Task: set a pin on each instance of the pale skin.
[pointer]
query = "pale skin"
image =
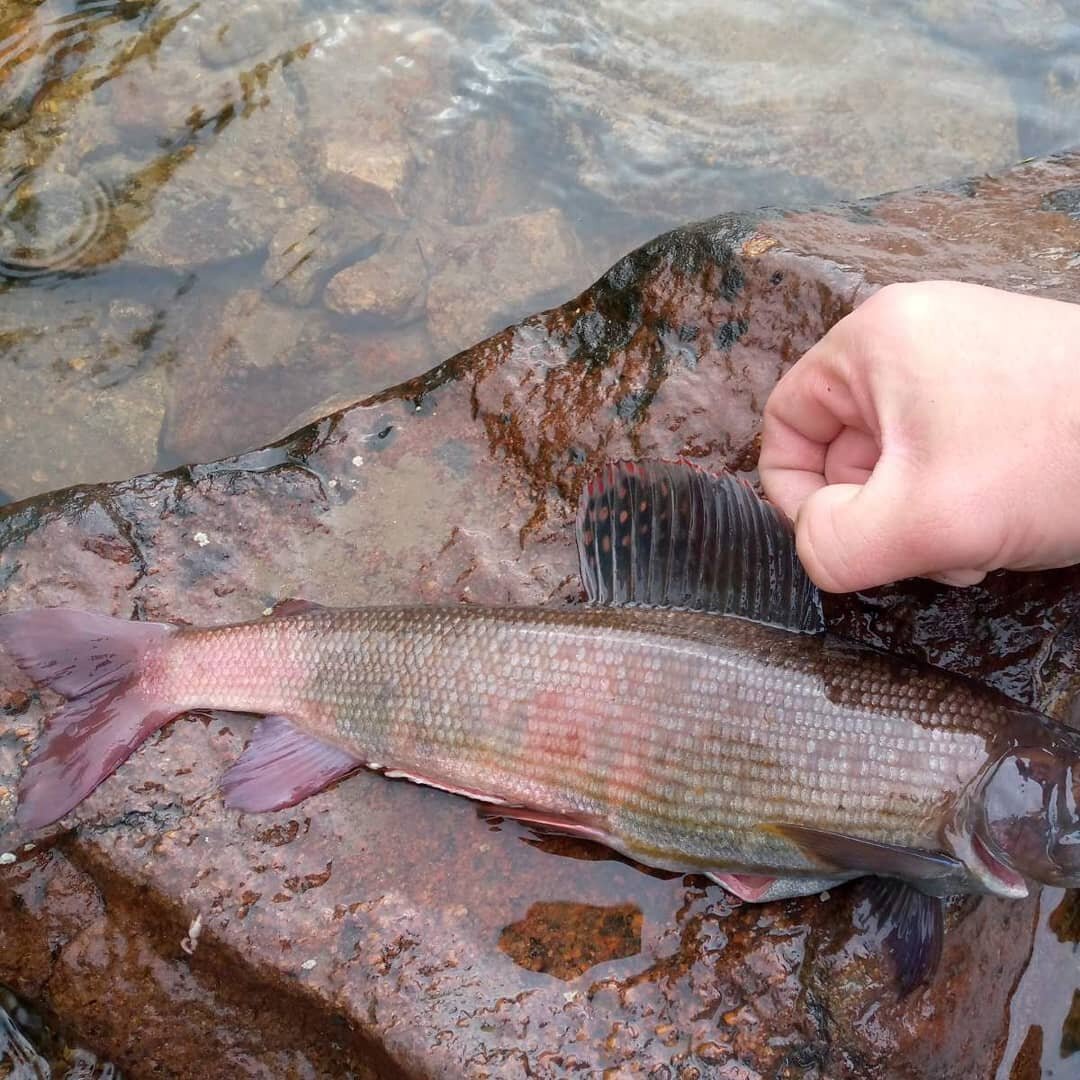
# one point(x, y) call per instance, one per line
point(933, 432)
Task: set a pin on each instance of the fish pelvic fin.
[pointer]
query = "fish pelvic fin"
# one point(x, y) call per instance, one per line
point(909, 925)
point(282, 766)
point(670, 534)
point(96, 662)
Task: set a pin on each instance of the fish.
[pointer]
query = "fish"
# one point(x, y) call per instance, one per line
point(693, 714)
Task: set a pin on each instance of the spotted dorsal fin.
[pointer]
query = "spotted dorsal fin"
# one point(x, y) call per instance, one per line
point(669, 534)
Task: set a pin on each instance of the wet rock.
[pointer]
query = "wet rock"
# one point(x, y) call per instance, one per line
point(1065, 918)
point(244, 31)
point(251, 365)
point(489, 274)
point(388, 284)
point(1028, 1062)
point(480, 171)
point(397, 71)
point(373, 177)
point(247, 339)
point(84, 369)
point(226, 183)
point(362, 928)
point(1070, 1035)
point(305, 251)
point(540, 941)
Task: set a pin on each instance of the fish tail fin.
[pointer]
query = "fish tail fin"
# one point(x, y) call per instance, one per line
point(96, 662)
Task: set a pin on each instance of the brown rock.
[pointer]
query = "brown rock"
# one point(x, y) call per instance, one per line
point(492, 274)
point(371, 176)
point(397, 68)
point(231, 196)
point(304, 251)
point(361, 929)
point(247, 366)
point(388, 284)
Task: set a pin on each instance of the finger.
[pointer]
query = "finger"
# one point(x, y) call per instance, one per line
point(958, 578)
point(808, 409)
point(791, 466)
point(853, 536)
point(851, 457)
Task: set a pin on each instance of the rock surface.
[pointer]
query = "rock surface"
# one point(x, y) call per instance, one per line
point(381, 929)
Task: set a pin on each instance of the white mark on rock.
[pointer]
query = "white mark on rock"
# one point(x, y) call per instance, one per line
point(201, 539)
point(191, 942)
point(309, 965)
point(358, 460)
point(7, 858)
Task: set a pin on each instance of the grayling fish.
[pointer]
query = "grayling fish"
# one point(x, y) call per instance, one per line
point(695, 716)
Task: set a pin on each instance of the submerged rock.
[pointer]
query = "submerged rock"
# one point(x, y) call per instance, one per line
point(385, 929)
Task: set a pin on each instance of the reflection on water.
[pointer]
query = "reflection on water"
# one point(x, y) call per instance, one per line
point(215, 215)
point(1045, 1008)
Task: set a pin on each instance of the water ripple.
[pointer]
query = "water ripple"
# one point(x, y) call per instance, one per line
point(50, 222)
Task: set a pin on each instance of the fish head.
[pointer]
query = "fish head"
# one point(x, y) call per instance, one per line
point(1028, 823)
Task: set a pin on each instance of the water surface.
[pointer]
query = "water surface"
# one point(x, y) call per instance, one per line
point(216, 215)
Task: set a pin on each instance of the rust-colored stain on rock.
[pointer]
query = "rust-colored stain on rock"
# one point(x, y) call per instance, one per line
point(1065, 918)
point(1070, 1035)
point(565, 939)
point(360, 932)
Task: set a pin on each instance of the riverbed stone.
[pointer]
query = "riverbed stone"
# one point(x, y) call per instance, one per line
point(383, 929)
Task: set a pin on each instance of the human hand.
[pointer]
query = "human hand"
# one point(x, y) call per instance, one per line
point(934, 431)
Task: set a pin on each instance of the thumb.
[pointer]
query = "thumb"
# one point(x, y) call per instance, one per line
point(856, 536)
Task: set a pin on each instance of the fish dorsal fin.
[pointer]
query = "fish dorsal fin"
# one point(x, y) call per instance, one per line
point(669, 534)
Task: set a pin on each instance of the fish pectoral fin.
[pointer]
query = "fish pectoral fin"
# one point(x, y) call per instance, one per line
point(835, 851)
point(294, 605)
point(283, 765)
point(670, 534)
point(910, 925)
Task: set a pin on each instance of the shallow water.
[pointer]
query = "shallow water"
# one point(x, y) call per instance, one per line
point(216, 215)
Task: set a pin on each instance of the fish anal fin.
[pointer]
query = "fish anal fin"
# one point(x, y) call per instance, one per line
point(583, 826)
point(283, 765)
point(429, 781)
point(909, 924)
point(836, 851)
point(670, 534)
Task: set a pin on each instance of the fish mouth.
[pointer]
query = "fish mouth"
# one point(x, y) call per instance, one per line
point(994, 875)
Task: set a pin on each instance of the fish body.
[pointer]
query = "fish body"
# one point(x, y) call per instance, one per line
point(670, 735)
point(695, 715)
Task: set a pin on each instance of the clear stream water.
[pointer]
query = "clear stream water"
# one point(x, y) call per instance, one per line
point(217, 214)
